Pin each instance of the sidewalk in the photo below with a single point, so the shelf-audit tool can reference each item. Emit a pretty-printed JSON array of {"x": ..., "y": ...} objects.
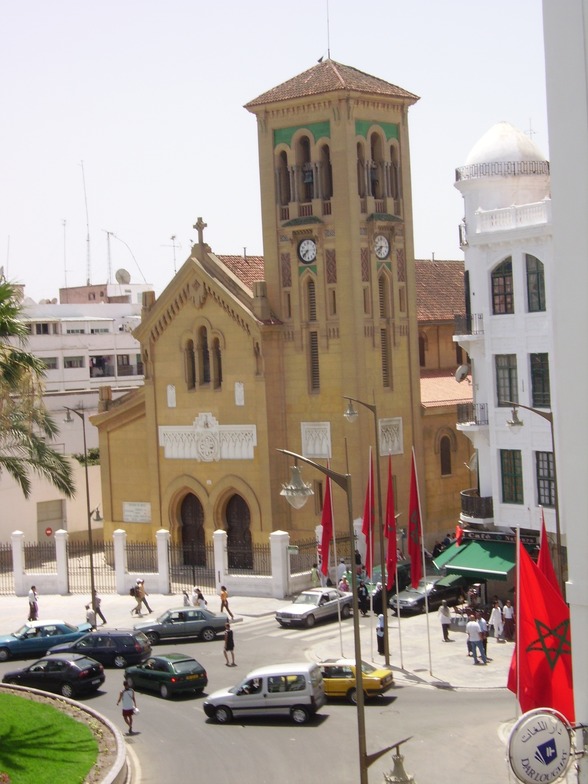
[{"x": 447, "y": 666}]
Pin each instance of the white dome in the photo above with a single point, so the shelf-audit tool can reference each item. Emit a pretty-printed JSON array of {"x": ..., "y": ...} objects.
[{"x": 504, "y": 143}]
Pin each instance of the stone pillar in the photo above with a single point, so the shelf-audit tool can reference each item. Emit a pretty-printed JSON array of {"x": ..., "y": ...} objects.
[
  {"x": 120, "y": 561},
  {"x": 221, "y": 562},
  {"x": 163, "y": 537},
  {"x": 280, "y": 561},
  {"x": 61, "y": 537},
  {"x": 18, "y": 564}
]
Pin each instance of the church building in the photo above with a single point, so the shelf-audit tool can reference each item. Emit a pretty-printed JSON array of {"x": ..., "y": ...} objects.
[{"x": 244, "y": 356}]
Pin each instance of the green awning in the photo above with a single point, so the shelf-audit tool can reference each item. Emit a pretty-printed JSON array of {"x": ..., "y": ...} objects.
[
  {"x": 447, "y": 555},
  {"x": 479, "y": 560},
  {"x": 449, "y": 579}
]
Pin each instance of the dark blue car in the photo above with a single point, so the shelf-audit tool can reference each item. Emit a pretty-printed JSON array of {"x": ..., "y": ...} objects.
[{"x": 36, "y": 637}]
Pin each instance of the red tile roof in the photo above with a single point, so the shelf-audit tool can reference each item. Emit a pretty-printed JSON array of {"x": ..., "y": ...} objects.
[
  {"x": 439, "y": 289},
  {"x": 248, "y": 269},
  {"x": 439, "y": 388},
  {"x": 327, "y": 77}
]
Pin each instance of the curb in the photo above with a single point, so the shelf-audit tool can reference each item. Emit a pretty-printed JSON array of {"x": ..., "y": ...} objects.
[{"x": 120, "y": 771}]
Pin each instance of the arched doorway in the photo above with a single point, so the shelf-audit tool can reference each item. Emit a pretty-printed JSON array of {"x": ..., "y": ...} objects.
[
  {"x": 192, "y": 522},
  {"x": 240, "y": 552}
]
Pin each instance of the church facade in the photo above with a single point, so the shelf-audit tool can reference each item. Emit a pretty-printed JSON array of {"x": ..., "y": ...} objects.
[{"x": 245, "y": 356}]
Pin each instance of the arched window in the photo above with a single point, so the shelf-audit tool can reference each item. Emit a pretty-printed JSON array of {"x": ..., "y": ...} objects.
[
  {"x": 422, "y": 350},
  {"x": 445, "y": 455},
  {"x": 305, "y": 169},
  {"x": 283, "y": 177},
  {"x": 203, "y": 357},
  {"x": 394, "y": 172},
  {"x": 217, "y": 366},
  {"x": 326, "y": 181},
  {"x": 535, "y": 284},
  {"x": 361, "y": 181},
  {"x": 502, "y": 289},
  {"x": 190, "y": 365},
  {"x": 376, "y": 167},
  {"x": 384, "y": 296}
]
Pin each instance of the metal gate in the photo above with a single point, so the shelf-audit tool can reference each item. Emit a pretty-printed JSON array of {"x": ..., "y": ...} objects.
[
  {"x": 78, "y": 567},
  {"x": 190, "y": 565},
  {"x": 6, "y": 569}
]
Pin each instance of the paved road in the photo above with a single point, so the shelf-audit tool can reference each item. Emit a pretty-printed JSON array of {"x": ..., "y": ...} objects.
[{"x": 455, "y": 713}]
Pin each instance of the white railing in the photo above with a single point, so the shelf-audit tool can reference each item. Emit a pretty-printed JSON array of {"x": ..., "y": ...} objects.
[{"x": 513, "y": 217}]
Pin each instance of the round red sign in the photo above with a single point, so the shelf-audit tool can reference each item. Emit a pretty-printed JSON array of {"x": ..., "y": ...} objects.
[{"x": 48, "y": 531}]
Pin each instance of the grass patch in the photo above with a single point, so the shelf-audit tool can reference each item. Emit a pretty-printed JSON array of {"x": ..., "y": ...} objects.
[{"x": 41, "y": 745}]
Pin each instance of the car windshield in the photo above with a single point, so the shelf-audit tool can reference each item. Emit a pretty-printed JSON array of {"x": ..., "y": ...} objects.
[
  {"x": 182, "y": 667},
  {"x": 367, "y": 669},
  {"x": 307, "y": 598},
  {"x": 23, "y": 631}
]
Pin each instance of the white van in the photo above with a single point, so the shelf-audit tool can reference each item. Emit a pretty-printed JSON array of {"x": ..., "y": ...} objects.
[{"x": 294, "y": 690}]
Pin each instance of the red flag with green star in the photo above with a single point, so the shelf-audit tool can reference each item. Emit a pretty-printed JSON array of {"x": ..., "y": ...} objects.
[{"x": 543, "y": 664}]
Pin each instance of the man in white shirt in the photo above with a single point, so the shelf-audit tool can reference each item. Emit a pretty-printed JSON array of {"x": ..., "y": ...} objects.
[
  {"x": 474, "y": 634},
  {"x": 341, "y": 570}
]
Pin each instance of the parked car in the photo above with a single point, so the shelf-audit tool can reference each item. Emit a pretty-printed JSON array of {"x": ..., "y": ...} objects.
[
  {"x": 294, "y": 690},
  {"x": 339, "y": 679},
  {"x": 183, "y": 622},
  {"x": 412, "y": 600},
  {"x": 316, "y": 604},
  {"x": 116, "y": 648},
  {"x": 36, "y": 637},
  {"x": 69, "y": 674},
  {"x": 168, "y": 673}
]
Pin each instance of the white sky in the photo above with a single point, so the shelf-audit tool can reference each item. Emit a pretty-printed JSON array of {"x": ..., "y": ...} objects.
[{"x": 149, "y": 95}]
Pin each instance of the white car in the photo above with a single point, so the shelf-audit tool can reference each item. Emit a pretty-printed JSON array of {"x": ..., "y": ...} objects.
[{"x": 316, "y": 604}]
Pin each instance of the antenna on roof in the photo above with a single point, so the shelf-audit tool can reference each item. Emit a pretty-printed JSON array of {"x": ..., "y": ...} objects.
[
  {"x": 88, "y": 258},
  {"x": 328, "y": 33}
]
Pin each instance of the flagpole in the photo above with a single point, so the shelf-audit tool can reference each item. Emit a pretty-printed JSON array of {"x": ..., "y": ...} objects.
[
  {"x": 335, "y": 560},
  {"x": 423, "y": 559}
]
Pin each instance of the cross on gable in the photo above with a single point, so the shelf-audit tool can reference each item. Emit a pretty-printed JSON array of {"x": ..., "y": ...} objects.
[{"x": 200, "y": 226}]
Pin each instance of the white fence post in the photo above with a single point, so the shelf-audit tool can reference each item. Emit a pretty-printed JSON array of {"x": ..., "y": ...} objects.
[
  {"x": 61, "y": 538},
  {"x": 18, "y": 564},
  {"x": 120, "y": 561},
  {"x": 280, "y": 561},
  {"x": 163, "y": 537},
  {"x": 221, "y": 564}
]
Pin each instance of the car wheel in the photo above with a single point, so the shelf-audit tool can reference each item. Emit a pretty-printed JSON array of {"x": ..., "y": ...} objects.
[
  {"x": 310, "y": 621},
  {"x": 299, "y": 714},
  {"x": 223, "y": 714},
  {"x": 352, "y": 696},
  {"x": 120, "y": 661},
  {"x": 4, "y": 654},
  {"x": 67, "y": 690},
  {"x": 153, "y": 637},
  {"x": 345, "y": 611},
  {"x": 164, "y": 691},
  {"x": 208, "y": 634}
]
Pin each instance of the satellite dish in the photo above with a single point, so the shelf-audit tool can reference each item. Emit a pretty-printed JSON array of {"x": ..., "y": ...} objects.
[
  {"x": 462, "y": 373},
  {"x": 122, "y": 276}
]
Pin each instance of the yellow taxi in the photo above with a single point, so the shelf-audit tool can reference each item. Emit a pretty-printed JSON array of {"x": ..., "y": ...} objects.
[{"x": 339, "y": 679}]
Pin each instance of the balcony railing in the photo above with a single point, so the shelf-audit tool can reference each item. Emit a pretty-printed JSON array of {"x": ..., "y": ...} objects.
[
  {"x": 472, "y": 413},
  {"x": 474, "y": 506},
  {"x": 472, "y": 324}
]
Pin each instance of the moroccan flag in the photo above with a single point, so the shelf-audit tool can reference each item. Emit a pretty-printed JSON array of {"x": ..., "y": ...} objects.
[
  {"x": 544, "y": 659},
  {"x": 327, "y": 523},
  {"x": 544, "y": 561},
  {"x": 414, "y": 529},
  {"x": 367, "y": 527},
  {"x": 390, "y": 531}
]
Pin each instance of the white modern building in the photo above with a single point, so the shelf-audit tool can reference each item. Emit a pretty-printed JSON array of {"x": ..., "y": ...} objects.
[
  {"x": 506, "y": 237},
  {"x": 85, "y": 346}
]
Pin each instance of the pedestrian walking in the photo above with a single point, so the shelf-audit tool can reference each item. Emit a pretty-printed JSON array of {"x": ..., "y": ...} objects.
[
  {"x": 377, "y": 600},
  {"x": 140, "y": 589},
  {"x": 224, "y": 596},
  {"x": 380, "y": 635},
  {"x": 343, "y": 584},
  {"x": 91, "y": 617},
  {"x": 474, "y": 634},
  {"x": 363, "y": 598},
  {"x": 97, "y": 607},
  {"x": 341, "y": 569},
  {"x": 315, "y": 579},
  {"x": 444, "y": 615},
  {"x": 229, "y": 646},
  {"x": 33, "y": 604},
  {"x": 200, "y": 600},
  {"x": 483, "y": 630},
  {"x": 138, "y": 597},
  {"x": 495, "y": 621},
  {"x": 129, "y": 705},
  {"x": 186, "y": 599},
  {"x": 508, "y": 620}
]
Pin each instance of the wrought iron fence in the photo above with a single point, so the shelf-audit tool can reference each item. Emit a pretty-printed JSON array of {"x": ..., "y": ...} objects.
[
  {"x": 40, "y": 557},
  {"x": 6, "y": 569},
  {"x": 191, "y": 565},
  {"x": 250, "y": 559},
  {"x": 78, "y": 567},
  {"x": 306, "y": 556}
]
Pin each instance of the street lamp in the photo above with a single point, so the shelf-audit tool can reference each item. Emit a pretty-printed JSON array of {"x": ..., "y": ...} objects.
[
  {"x": 514, "y": 424},
  {"x": 89, "y": 509},
  {"x": 297, "y": 493},
  {"x": 351, "y": 415}
]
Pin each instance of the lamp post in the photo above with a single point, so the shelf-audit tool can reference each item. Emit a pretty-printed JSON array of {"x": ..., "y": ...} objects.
[
  {"x": 297, "y": 493},
  {"x": 351, "y": 415},
  {"x": 516, "y": 423},
  {"x": 89, "y": 510}
]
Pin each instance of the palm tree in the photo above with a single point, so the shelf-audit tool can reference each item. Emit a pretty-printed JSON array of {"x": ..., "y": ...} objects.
[{"x": 25, "y": 424}]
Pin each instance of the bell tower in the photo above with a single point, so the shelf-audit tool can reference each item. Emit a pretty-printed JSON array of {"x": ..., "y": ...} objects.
[{"x": 339, "y": 259}]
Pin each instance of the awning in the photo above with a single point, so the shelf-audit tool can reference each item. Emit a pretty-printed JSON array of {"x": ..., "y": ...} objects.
[
  {"x": 479, "y": 560},
  {"x": 449, "y": 580},
  {"x": 446, "y": 555}
]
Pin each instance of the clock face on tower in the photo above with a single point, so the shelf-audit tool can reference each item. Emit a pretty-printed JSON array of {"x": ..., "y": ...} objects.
[
  {"x": 381, "y": 246},
  {"x": 307, "y": 251}
]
